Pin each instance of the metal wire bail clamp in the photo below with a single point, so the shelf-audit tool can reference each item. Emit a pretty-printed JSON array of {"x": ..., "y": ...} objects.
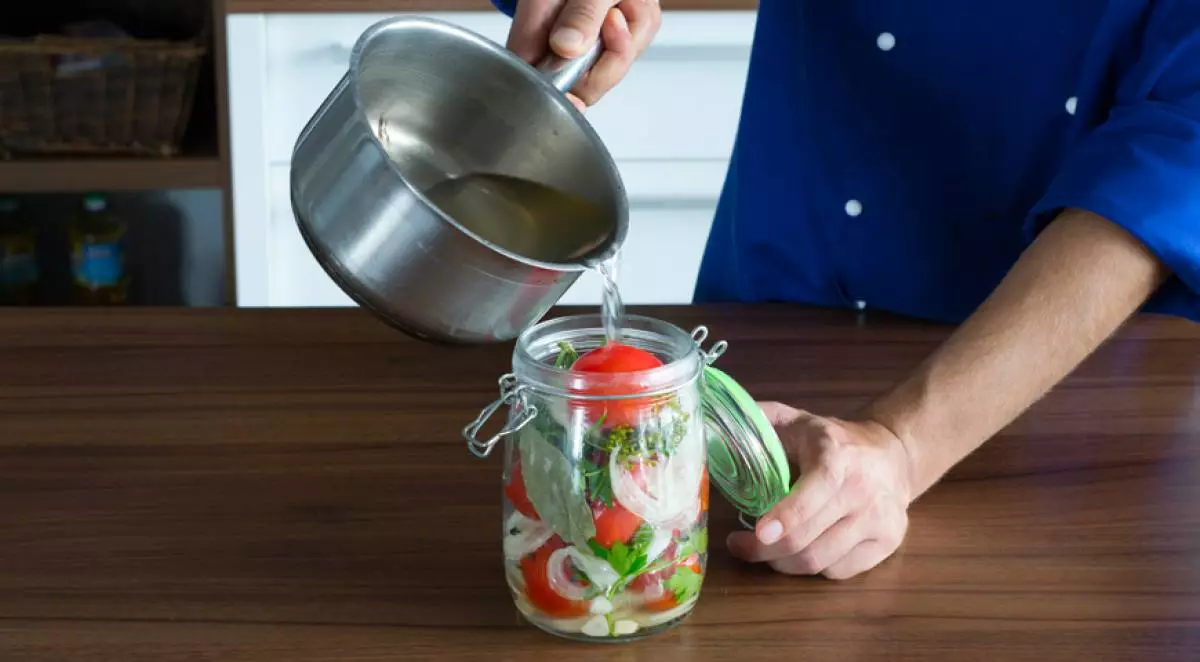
[{"x": 512, "y": 394}]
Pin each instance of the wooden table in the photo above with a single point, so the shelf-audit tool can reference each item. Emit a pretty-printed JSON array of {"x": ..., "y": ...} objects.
[{"x": 246, "y": 486}]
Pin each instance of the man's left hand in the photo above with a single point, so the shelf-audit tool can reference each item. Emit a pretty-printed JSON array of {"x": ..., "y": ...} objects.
[{"x": 847, "y": 513}]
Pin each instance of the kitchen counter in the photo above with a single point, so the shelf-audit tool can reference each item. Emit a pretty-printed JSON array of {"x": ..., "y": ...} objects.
[
  {"x": 249, "y": 485},
  {"x": 255, "y": 6}
]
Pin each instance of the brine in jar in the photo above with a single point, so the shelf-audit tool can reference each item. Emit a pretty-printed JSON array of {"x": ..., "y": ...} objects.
[
  {"x": 606, "y": 487},
  {"x": 608, "y": 451}
]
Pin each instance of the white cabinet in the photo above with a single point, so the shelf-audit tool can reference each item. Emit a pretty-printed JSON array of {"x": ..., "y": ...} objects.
[
  {"x": 670, "y": 126},
  {"x": 295, "y": 278}
]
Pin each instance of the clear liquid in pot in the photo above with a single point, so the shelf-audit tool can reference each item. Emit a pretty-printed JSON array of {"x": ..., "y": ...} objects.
[
  {"x": 524, "y": 217},
  {"x": 535, "y": 221}
]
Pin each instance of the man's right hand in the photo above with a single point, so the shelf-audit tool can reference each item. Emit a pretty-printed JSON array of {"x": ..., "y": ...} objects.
[
  {"x": 849, "y": 509},
  {"x": 569, "y": 27}
]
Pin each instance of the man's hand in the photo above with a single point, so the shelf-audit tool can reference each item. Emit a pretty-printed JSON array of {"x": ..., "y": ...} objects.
[
  {"x": 849, "y": 509},
  {"x": 570, "y": 27},
  {"x": 1081, "y": 279}
]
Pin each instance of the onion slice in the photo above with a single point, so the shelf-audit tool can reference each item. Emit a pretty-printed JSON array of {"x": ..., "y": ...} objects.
[
  {"x": 659, "y": 544},
  {"x": 687, "y": 518},
  {"x": 599, "y": 571},
  {"x": 530, "y": 535},
  {"x": 556, "y": 572},
  {"x": 678, "y": 478}
]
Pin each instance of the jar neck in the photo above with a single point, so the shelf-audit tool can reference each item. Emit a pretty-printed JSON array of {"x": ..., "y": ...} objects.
[{"x": 539, "y": 346}]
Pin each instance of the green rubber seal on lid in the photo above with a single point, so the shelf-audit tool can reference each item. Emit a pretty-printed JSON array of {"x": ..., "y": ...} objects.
[{"x": 745, "y": 458}]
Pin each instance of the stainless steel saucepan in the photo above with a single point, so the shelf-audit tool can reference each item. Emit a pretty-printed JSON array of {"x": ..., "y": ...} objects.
[{"x": 426, "y": 103}]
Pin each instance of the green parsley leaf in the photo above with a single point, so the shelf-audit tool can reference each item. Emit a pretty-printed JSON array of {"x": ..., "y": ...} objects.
[
  {"x": 628, "y": 560},
  {"x": 598, "y": 549},
  {"x": 625, "y": 559},
  {"x": 567, "y": 356},
  {"x": 697, "y": 543},
  {"x": 684, "y": 583}
]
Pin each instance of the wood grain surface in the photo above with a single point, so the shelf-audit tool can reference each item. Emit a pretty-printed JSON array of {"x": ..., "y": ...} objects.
[
  {"x": 385, "y": 6},
  {"x": 262, "y": 485}
]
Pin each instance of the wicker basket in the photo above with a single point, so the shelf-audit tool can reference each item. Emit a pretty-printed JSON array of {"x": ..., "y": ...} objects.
[{"x": 62, "y": 95}]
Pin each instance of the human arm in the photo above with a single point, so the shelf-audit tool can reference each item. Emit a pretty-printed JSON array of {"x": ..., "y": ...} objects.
[
  {"x": 1081, "y": 279},
  {"x": 1137, "y": 175},
  {"x": 1074, "y": 286},
  {"x": 571, "y": 26}
]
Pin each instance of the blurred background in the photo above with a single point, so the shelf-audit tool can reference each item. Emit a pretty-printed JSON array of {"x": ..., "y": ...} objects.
[
  {"x": 112, "y": 176},
  {"x": 145, "y": 145}
]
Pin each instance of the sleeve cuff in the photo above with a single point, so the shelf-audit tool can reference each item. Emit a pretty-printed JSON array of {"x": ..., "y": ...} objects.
[
  {"x": 508, "y": 7},
  {"x": 1140, "y": 170}
]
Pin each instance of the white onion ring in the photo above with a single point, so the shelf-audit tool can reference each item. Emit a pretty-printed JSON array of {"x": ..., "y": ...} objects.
[
  {"x": 599, "y": 571},
  {"x": 516, "y": 520},
  {"x": 687, "y": 518},
  {"x": 556, "y": 572},
  {"x": 678, "y": 476},
  {"x": 531, "y": 534},
  {"x": 660, "y": 543}
]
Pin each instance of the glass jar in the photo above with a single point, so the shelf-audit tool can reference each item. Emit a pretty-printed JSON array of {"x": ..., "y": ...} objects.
[{"x": 606, "y": 475}]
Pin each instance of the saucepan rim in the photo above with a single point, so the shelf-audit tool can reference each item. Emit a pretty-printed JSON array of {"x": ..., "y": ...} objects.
[{"x": 610, "y": 249}]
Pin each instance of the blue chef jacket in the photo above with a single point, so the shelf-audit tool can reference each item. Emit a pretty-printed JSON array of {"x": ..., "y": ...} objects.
[{"x": 900, "y": 154}]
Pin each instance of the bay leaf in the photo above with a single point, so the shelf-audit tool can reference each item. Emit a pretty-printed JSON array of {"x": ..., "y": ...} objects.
[{"x": 555, "y": 489}]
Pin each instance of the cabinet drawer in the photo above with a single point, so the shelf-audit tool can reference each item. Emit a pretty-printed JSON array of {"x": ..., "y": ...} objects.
[
  {"x": 659, "y": 260},
  {"x": 681, "y": 100}
]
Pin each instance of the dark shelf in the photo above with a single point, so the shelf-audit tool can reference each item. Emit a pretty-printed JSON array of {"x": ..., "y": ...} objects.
[
  {"x": 198, "y": 166},
  {"x": 78, "y": 174}
]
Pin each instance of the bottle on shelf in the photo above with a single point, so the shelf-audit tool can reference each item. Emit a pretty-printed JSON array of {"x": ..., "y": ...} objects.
[
  {"x": 99, "y": 273},
  {"x": 19, "y": 272}
]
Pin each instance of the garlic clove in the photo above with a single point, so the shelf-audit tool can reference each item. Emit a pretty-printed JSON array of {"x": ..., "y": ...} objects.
[
  {"x": 601, "y": 606},
  {"x": 597, "y": 626},
  {"x": 623, "y": 628}
]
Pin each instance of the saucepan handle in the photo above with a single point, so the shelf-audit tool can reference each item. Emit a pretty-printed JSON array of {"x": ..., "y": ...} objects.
[{"x": 563, "y": 73}]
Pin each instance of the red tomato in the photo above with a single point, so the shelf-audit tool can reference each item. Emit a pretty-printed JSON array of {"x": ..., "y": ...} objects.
[
  {"x": 537, "y": 584},
  {"x": 667, "y": 600},
  {"x": 616, "y": 358},
  {"x": 515, "y": 491},
  {"x": 614, "y": 525}
]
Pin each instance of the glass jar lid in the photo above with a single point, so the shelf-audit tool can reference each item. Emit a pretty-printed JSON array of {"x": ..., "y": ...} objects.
[{"x": 745, "y": 457}]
